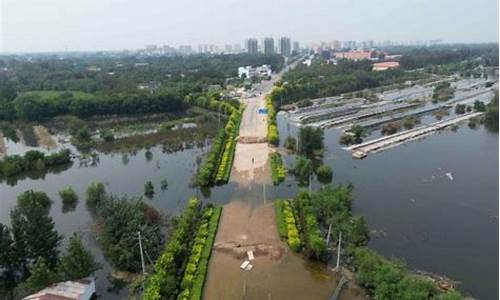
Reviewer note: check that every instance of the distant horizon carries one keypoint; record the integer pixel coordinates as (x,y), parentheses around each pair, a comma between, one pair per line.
(48,26)
(243,50)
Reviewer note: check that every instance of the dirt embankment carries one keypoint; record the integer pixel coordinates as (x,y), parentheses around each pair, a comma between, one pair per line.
(44,138)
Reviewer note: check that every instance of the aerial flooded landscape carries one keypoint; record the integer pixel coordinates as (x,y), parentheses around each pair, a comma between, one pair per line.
(279,168)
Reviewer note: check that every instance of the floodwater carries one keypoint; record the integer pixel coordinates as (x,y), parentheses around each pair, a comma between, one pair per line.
(415,211)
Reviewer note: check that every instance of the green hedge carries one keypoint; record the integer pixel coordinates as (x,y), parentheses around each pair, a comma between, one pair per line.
(286,223)
(226,161)
(165,281)
(272,127)
(217,166)
(194,278)
(278,171)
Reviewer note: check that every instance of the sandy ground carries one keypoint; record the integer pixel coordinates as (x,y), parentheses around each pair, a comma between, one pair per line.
(250,161)
(43,137)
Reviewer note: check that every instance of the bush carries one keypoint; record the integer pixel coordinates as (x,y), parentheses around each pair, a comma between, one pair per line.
(286,223)
(460,109)
(278,171)
(290,143)
(69,198)
(272,127)
(324,174)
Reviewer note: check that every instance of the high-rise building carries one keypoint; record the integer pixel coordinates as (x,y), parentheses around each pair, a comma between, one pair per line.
(285,46)
(252,46)
(237,48)
(228,48)
(337,45)
(268,45)
(296,47)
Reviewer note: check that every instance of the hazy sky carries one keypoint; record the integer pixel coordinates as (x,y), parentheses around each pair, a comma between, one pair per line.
(46,25)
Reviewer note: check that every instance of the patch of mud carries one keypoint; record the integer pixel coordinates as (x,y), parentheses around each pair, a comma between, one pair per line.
(239,251)
(44,138)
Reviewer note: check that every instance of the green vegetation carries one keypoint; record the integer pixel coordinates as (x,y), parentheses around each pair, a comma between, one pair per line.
(442,92)
(226,161)
(69,198)
(389,279)
(410,122)
(217,166)
(323,79)
(287,225)
(354,135)
(101,85)
(197,264)
(149,189)
(310,140)
(164,184)
(29,250)
(479,106)
(418,57)
(311,235)
(390,128)
(272,126)
(278,171)
(460,109)
(290,143)
(164,283)
(32,160)
(491,116)
(118,220)
(303,169)
(324,174)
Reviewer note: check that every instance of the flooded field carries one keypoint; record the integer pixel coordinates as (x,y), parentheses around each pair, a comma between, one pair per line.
(416,211)
(419,214)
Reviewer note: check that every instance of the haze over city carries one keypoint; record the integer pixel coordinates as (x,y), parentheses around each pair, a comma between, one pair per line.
(60,25)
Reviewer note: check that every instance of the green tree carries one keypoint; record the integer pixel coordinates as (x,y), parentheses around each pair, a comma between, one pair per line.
(77,262)
(149,189)
(96,194)
(34,230)
(69,198)
(303,169)
(42,275)
(324,174)
(310,140)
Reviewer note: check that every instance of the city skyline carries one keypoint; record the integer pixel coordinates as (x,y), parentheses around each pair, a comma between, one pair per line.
(92,25)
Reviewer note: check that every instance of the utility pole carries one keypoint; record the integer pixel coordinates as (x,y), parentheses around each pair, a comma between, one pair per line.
(328,235)
(338,251)
(310,185)
(142,255)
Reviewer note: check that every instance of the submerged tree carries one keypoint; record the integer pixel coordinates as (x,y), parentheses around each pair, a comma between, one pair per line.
(78,262)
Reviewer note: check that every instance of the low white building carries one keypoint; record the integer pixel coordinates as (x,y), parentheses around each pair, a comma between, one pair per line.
(250,72)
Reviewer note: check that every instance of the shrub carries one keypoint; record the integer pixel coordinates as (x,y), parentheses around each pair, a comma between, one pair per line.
(287,226)
(278,171)
(69,198)
(324,174)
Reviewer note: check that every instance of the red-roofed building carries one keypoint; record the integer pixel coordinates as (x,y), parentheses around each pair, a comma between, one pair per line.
(386,65)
